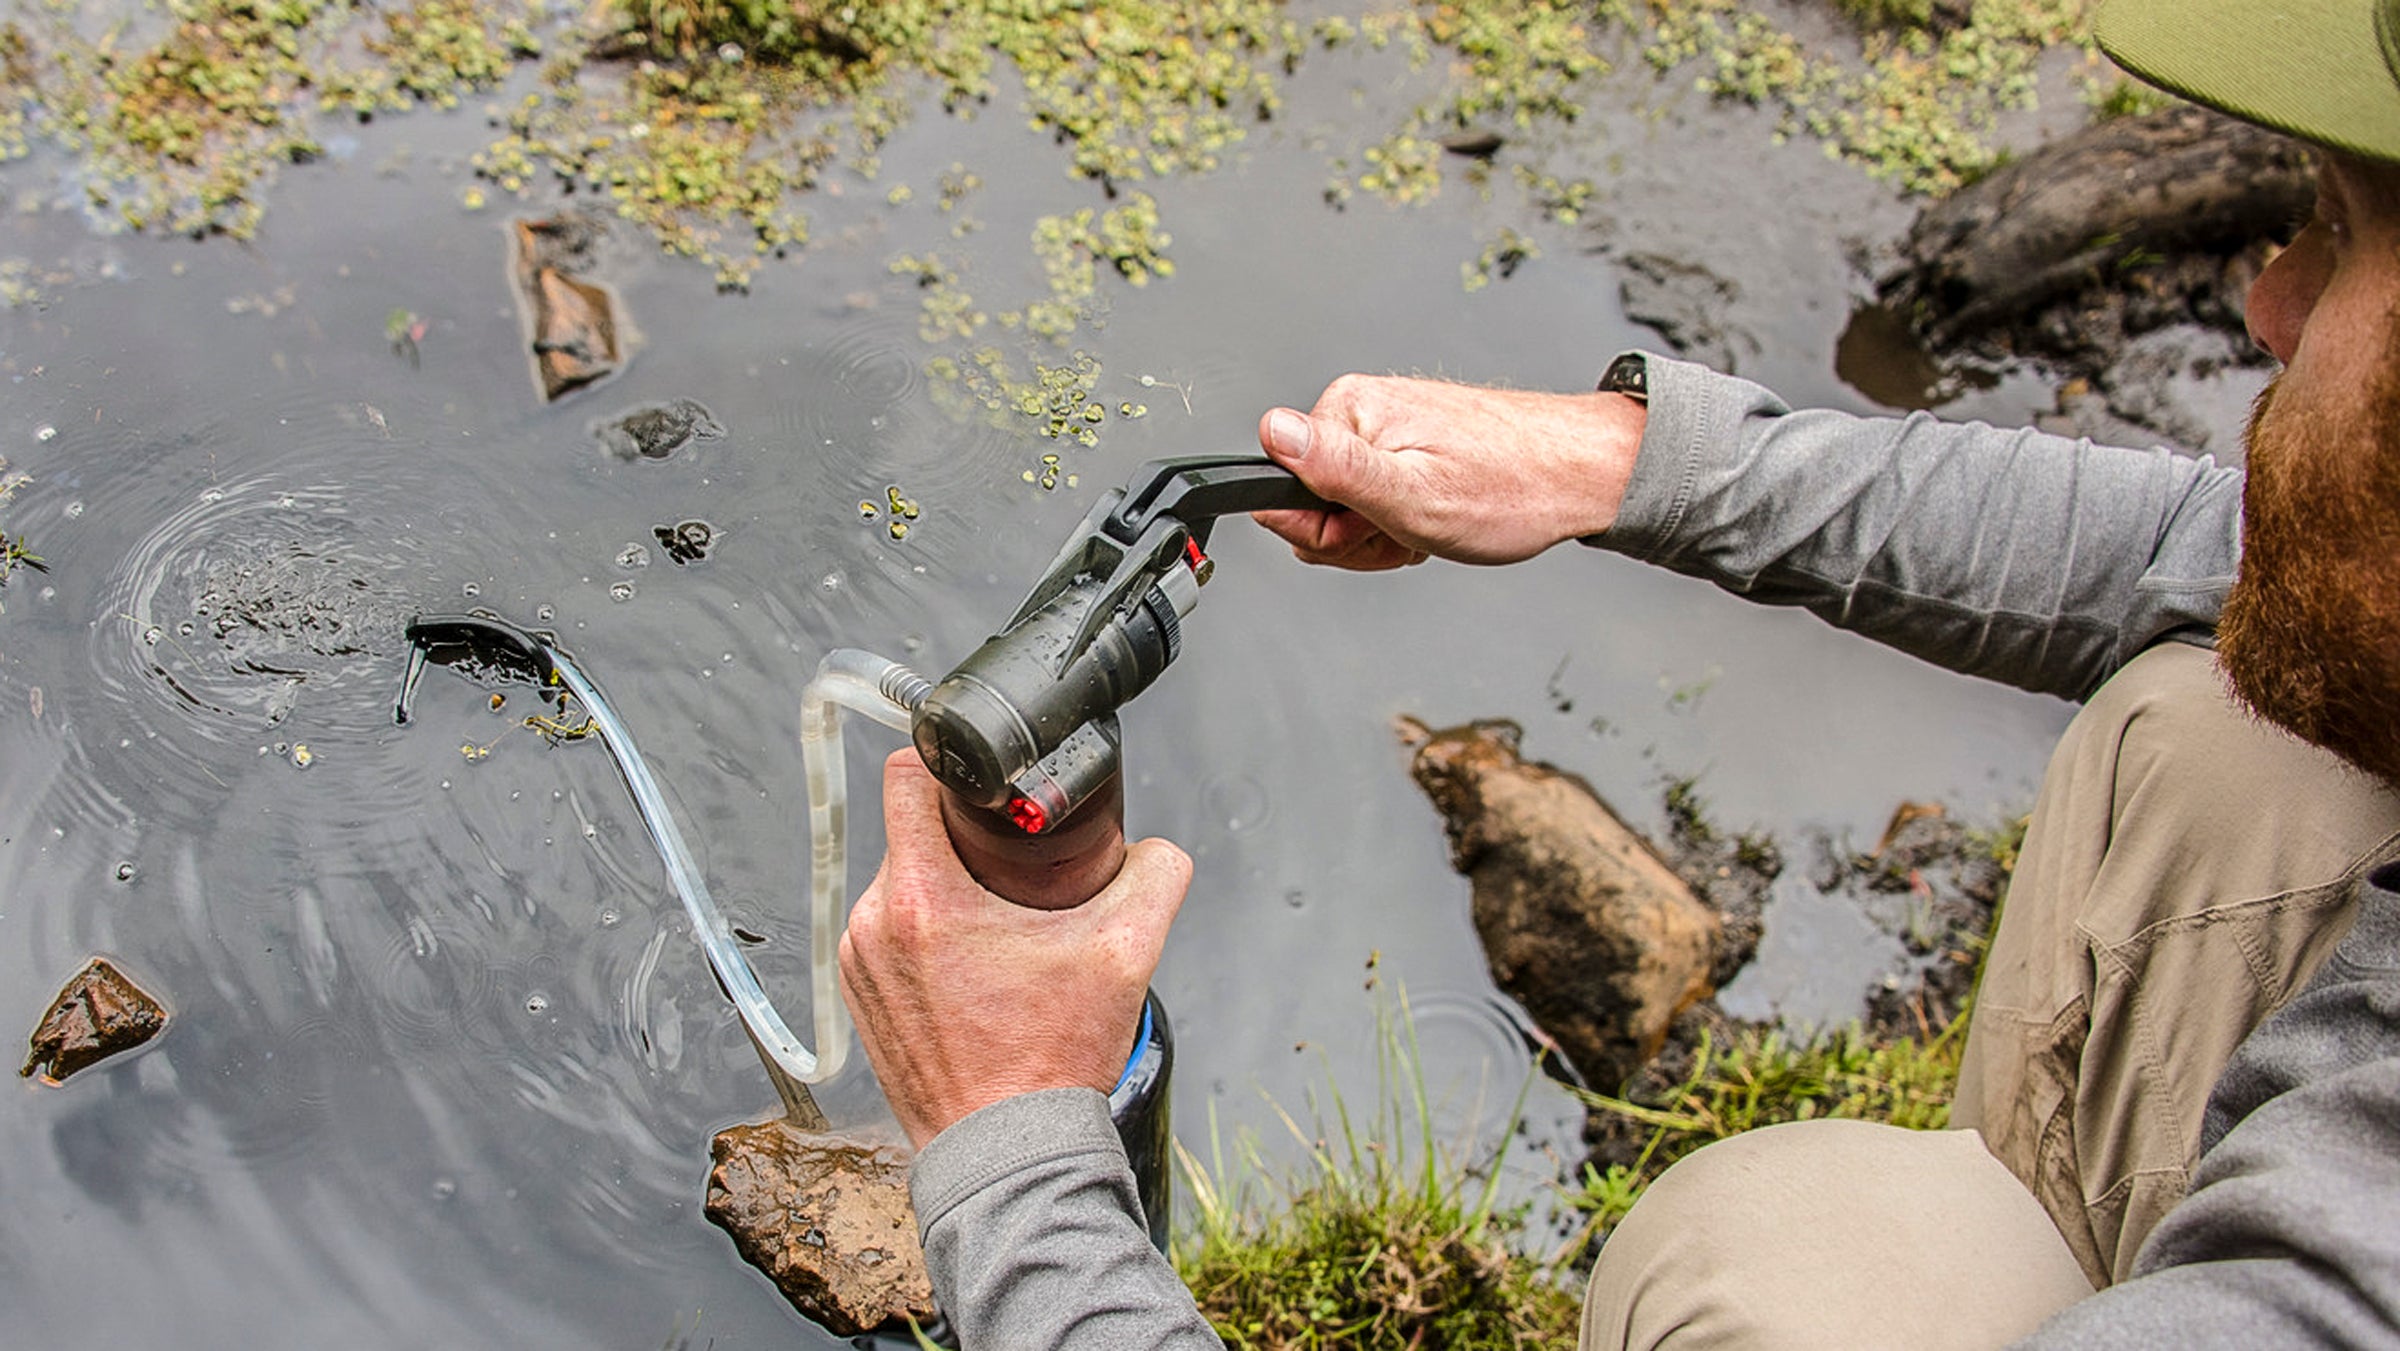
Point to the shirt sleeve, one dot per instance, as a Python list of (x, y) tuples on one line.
[(1034, 1236), (2036, 560), (2288, 1236)]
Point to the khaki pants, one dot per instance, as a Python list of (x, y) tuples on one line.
[(2184, 874)]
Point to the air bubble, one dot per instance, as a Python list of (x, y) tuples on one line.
[(543, 614), (537, 1002), (610, 919), (72, 510), (620, 591), (124, 872), (45, 432), (444, 1189), (471, 590)]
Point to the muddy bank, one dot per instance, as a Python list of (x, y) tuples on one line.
[(1628, 953), (2117, 259)]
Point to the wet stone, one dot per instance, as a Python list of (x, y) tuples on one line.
[(575, 322), (828, 1220), (99, 1013), (1582, 923), (655, 431)]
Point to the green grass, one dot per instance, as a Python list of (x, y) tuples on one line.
[(1763, 1077), (1379, 1240)]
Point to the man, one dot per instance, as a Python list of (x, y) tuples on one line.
[(2182, 1084)]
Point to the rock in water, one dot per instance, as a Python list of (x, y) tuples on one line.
[(574, 321), (98, 1014), (1582, 923), (653, 431), (828, 1220)]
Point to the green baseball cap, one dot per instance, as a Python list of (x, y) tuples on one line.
[(2323, 70)]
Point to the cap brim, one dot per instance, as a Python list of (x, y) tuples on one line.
[(2313, 68)]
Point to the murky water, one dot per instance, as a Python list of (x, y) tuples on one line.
[(445, 1062)]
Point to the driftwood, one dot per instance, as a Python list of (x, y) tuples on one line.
[(2127, 226)]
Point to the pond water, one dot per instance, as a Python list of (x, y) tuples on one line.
[(445, 1061)]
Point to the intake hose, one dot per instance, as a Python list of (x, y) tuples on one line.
[(889, 693)]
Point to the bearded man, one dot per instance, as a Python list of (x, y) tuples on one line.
[(2178, 1120)]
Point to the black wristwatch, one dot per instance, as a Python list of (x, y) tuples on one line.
[(1628, 375)]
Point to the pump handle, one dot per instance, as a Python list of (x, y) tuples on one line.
[(1196, 489)]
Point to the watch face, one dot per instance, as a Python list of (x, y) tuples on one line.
[(1628, 375)]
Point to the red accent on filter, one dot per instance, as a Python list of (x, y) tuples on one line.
[(1028, 815), (1192, 554)]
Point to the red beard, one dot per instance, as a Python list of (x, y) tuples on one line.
[(2310, 635)]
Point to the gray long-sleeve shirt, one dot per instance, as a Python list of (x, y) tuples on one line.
[(2032, 559)]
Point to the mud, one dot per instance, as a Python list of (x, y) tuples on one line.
[(99, 1013), (2117, 258), (1930, 880)]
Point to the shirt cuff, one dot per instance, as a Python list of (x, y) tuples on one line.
[(1695, 414), (992, 1142)]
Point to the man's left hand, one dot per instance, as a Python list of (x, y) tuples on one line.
[(963, 998)]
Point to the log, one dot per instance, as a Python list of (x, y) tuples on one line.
[(2091, 212)]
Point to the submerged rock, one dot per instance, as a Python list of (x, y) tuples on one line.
[(99, 1013), (654, 431), (575, 324), (828, 1220), (1582, 923)]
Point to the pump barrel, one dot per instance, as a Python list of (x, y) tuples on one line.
[(1060, 868)]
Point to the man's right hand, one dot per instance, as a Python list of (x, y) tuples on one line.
[(1431, 468)]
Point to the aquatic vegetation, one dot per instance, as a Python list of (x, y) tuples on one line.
[(904, 512), (1501, 257), (432, 53), (1913, 106), (1059, 400), (13, 550), (1379, 1240)]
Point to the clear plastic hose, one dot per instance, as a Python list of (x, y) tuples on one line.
[(767, 1028), (887, 692)]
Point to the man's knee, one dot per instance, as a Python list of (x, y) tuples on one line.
[(1798, 1236)]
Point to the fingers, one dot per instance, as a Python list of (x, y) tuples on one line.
[(1326, 453), (916, 841), (1322, 536)]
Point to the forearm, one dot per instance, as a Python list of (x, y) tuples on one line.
[(1034, 1236), (2032, 559)]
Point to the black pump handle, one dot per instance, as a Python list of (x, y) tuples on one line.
[(1196, 489)]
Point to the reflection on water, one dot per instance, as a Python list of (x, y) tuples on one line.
[(445, 1061)]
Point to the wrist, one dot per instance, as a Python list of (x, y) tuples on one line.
[(1623, 396)]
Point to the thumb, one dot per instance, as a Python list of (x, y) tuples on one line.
[(1330, 458)]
